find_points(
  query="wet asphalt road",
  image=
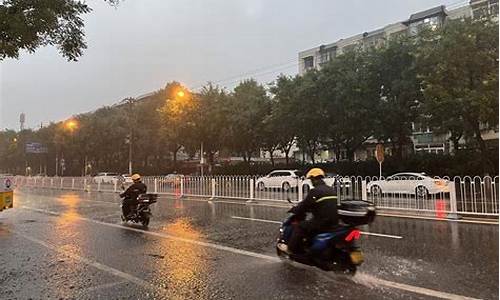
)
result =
(72, 245)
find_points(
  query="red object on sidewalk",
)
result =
(440, 208)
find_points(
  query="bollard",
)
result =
(73, 183)
(156, 185)
(62, 179)
(364, 193)
(115, 184)
(453, 215)
(181, 194)
(300, 188)
(213, 188)
(252, 189)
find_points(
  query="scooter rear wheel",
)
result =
(145, 221)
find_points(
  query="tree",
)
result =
(458, 65)
(281, 125)
(209, 122)
(249, 105)
(349, 97)
(30, 24)
(395, 77)
(309, 113)
(175, 115)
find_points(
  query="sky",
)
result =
(139, 46)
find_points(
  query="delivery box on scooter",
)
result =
(356, 212)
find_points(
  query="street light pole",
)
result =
(201, 159)
(130, 153)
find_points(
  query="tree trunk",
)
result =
(350, 154)
(485, 160)
(312, 151)
(271, 156)
(210, 161)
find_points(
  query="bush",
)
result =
(462, 164)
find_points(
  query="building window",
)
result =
(308, 62)
(326, 55)
(483, 8)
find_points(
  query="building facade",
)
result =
(423, 138)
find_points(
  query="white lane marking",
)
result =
(163, 235)
(100, 287)
(382, 235)
(258, 220)
(365, 277)
(278, 222)
(90, 262)
(110, 215)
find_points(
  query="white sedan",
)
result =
(282, 179)
(106, 177)
(330, 179)
(408, 183)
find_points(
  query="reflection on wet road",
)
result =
(213, 250)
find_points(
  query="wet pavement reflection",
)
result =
(451, 257)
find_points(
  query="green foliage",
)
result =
(30, 24)
(398, 104)
(459, 74)
(347, 89)
(249, 106)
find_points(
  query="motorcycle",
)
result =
(141, 213)
(338, 249)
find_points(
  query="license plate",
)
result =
(357, 257)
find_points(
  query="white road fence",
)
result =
(444, 197)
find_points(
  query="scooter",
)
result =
(337, 250)
(141, 213)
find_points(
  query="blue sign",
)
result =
(36, 148)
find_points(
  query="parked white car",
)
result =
(106, 177)
(126, 178)
(408, 183)
(282, 179)
(330, 178)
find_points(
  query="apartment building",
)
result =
(316, 57)
(424, 140)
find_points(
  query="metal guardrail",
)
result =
(445, 197)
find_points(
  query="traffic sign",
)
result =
(379, 153)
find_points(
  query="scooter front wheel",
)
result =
(281, 254)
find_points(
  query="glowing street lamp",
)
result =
(180, 94)
(71, 125)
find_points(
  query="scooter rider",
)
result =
(131, 194)
(321, 201)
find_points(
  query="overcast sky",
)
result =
(139, 46)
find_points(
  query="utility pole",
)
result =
(131, 120)
(202, 161)
(130, 152)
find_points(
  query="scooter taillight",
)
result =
(353, 235)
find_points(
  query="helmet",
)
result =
(136, 177)
(315, 172)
